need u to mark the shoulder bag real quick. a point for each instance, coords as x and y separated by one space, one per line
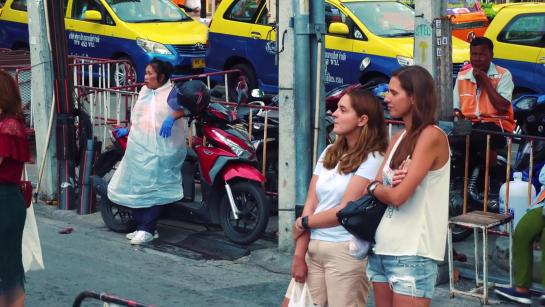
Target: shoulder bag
362 216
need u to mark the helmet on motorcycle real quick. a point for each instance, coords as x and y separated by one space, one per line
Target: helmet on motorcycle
192 96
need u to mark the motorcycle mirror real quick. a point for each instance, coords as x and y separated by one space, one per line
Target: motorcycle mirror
365 63
257 93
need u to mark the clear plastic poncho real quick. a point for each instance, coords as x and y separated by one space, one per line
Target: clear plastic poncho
150 172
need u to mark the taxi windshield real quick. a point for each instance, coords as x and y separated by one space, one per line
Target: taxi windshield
141 11
387 19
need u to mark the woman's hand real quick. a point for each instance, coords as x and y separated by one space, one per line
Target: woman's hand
399 175
297 229
166 128
121 132
299 269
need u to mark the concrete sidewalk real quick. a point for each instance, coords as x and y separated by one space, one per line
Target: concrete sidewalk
261 278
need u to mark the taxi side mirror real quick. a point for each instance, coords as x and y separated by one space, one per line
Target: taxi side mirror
92 15
338 28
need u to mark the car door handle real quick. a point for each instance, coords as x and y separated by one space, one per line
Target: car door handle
255 35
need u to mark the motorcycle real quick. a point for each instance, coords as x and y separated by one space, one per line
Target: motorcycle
530 118
222 161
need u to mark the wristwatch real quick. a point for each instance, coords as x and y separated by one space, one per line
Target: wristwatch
372 186
304 222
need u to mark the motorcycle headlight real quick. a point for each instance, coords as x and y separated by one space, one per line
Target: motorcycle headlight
237 150
526 103
404 61
152 47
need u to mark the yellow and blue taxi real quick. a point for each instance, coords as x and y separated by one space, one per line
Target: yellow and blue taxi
241 37
136 31
518 34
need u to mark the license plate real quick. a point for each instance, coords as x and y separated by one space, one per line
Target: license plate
197 63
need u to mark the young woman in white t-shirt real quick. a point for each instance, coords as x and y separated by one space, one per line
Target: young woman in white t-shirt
343 171
414 182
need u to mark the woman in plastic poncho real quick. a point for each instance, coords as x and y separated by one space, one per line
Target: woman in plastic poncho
149 174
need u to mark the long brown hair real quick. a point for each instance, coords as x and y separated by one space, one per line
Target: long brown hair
10 98
420 87
372 137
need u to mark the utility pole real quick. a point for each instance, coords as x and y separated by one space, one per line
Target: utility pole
64 103
433 48
42 98
286 160
301 41
318 67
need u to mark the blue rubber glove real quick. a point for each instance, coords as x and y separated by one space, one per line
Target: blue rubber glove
166 128
121 132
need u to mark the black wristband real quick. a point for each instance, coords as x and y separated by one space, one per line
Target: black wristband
304 222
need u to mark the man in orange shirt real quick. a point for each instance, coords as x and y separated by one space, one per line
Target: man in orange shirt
483 94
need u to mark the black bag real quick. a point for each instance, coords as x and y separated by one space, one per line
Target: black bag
362 216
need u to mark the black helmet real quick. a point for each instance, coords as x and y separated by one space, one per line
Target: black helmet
192 95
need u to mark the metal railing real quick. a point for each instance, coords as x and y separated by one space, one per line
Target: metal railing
106 298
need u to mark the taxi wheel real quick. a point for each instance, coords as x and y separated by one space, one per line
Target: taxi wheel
119 73
379 80
245 70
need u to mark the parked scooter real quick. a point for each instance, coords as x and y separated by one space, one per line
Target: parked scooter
530 118
230 183
258 133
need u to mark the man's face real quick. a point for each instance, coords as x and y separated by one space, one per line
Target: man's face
480 57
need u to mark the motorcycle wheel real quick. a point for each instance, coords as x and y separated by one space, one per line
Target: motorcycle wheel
253 209
117 218
245 70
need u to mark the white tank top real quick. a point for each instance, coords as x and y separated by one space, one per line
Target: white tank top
419 226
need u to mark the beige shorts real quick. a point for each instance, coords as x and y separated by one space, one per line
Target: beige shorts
335 278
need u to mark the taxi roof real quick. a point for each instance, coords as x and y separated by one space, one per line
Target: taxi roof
521 7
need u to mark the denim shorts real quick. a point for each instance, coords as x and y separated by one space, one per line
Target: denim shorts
407 275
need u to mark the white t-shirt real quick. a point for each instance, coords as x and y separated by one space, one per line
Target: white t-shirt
330 189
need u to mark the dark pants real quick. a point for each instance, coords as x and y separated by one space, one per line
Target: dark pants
477 150
146 218
478 139
203 8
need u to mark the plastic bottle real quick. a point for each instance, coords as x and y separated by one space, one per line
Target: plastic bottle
518 198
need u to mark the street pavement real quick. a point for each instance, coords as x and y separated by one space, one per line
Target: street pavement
93 258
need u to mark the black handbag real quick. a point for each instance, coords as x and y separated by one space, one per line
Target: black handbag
362 216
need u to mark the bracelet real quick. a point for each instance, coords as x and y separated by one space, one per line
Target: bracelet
372 186
304 222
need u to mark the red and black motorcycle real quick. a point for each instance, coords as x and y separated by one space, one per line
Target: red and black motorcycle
222 161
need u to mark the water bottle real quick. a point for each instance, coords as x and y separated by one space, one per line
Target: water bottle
518 198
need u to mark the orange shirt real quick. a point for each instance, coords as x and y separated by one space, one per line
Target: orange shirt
474 102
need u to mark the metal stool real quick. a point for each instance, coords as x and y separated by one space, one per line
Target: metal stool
484 221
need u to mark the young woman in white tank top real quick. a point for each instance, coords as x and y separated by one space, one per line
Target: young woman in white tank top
414 182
